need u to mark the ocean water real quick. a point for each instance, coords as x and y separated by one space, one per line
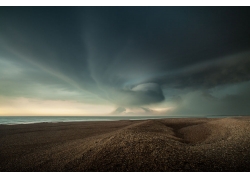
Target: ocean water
12 120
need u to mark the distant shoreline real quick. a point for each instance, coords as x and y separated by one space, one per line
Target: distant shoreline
16 120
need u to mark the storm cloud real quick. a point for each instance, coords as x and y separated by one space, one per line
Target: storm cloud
194 59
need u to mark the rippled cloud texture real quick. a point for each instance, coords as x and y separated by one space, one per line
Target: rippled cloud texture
182 60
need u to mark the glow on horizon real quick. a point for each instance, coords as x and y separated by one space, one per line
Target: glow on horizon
35 107
163 109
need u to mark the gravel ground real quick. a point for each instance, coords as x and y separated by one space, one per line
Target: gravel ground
150 145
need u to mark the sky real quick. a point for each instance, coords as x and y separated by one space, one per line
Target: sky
124 61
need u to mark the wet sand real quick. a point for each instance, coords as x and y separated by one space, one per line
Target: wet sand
192 144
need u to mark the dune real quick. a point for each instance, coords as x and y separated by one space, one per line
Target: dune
186 144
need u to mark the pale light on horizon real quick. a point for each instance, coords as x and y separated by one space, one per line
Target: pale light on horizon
36 107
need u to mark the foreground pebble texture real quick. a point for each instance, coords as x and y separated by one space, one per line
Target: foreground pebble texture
151 145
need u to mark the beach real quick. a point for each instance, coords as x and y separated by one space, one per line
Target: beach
174 144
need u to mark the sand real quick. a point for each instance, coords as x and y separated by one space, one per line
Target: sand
193 144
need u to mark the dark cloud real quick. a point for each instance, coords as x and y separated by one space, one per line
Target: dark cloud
223 70
135 56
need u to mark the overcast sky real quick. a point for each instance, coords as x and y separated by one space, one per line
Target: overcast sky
93 60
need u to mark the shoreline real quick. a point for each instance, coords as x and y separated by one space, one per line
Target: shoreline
106 120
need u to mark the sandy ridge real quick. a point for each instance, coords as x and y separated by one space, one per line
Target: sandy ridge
150 145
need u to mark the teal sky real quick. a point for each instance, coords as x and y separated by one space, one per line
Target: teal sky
124 61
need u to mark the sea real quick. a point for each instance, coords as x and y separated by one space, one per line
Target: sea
12 120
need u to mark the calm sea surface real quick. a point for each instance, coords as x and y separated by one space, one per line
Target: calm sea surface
11 120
